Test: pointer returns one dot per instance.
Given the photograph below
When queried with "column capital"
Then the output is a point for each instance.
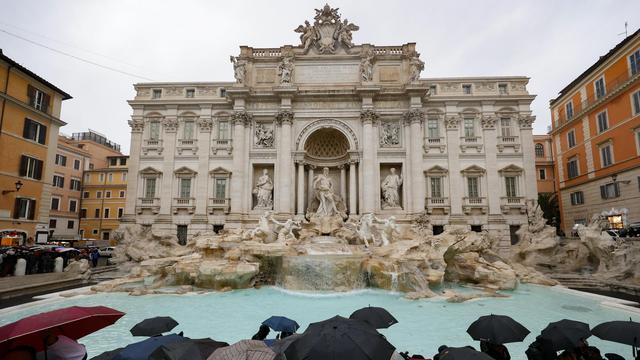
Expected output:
(526, 121)
(452, 122)
(241, 117)
(137, 125)
(369, 116)
(170, 124)
(205, 123)
(413, 116)
(488, 122)
(284, 116)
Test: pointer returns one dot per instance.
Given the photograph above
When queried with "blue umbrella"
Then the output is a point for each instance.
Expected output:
(281, 323)
(141, 350)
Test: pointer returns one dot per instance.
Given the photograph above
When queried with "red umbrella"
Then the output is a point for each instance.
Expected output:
(73, 322)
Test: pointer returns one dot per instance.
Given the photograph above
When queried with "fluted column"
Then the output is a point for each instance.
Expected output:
(343, 181)
(240, 120)
(137, 126)
(456, 182)
(415, 117)
(489, 137)
(167, 192)
(368, 164)
(526, 141)
(202, 183)
(353, 196)
(300, 210)
(285, 119)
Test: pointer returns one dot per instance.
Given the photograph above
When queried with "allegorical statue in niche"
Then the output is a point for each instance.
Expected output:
(415, 67)
(264, 191)
(285, 70)
(264, 136)
(324, 193)
(366, 67)
(239, 68)
(391, 190)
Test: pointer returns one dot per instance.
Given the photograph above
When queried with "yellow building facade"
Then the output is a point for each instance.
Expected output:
(29, 124)
(103, 199)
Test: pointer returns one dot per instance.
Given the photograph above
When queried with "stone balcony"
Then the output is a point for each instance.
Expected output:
(508, 141)
(437, 143)
(471, 203)
(221, 147)
(470, 142)
(508, 203)
(152, 204)
(187, 146)
(437, 203)
(218, 205)
(152, 146)
(188, 204)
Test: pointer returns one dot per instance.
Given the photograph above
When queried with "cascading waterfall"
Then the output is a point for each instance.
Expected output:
(322, 272)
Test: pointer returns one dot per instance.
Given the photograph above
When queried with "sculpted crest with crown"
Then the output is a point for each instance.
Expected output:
(327, 32)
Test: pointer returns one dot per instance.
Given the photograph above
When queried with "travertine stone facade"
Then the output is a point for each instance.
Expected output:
(463, 146)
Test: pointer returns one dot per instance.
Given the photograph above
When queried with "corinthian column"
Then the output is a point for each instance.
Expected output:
(285, 119)
(368, 165)
(300, 210)
(415, 117)
(137, 126)
(240, 120)
(353, 197)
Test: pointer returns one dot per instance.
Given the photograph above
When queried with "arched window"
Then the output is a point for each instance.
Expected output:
(539, 150)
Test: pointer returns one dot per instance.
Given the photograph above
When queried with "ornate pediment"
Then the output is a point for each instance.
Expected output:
(436, 170)
(185, 171)
(219, 171)
(327, 33)
(473, 170)
(511, 169)
(150, 171)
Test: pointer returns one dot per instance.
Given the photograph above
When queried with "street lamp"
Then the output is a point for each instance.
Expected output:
(18, 185)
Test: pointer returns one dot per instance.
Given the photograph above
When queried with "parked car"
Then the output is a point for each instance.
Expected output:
(633, 229)
(106, 252)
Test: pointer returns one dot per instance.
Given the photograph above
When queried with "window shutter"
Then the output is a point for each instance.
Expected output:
(62, 183)
(616, 188)
(42, 139)
(27, 128)
(45, 102)
(32, 209)
(31, 92)
(603, 191)
(38, 171)
(16, 208)
(23, 165)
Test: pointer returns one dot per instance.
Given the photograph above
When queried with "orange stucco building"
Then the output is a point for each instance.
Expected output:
(596, 140)
(545, 173)
(29, 124)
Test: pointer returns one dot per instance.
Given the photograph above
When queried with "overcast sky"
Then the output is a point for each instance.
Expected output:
(188, 40)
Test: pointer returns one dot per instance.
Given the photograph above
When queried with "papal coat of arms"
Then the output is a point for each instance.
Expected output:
(327, 31)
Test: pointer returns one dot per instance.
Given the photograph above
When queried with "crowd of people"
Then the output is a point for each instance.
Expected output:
(41, 259)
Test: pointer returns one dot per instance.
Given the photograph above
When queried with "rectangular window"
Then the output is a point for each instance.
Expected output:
(569, 109)
(96, 213)
(542, 174)
(606, 155)
(70, 224)
(510, 183)
(83, 213)
(466, 89)
(505, 127)
(75, 184)
(85, 195)
(110, 177)
(99, 194)
(469, 128)
(124, 177)
(436, 187)
(433, 90)
(472, 187)
(577, 198)
(502, 89)
(123, 161)
(571, 138)
(600, 90)
(37, 98)
(53, 223)
(636, 102)
(121, 194)
(106, 213)
(120, 212)
(154, 130)
(572, 168)
(634, 62)
(150, 188)
(223, 130)
(113, 161)
(105, 235)
(87, 177)
(61, 160)
(187, 133)
(76, 164)
(101, 177)
(34, 131)
(603, 121)
(190, 93)
(156, 94)
(107, 194)
(58, 181)
(223, 92)
(221, 188)
(55, 204)
(24, 208)
(433, 128)
(185, 188)
(94, 231)
(30, 167)
(610, 191)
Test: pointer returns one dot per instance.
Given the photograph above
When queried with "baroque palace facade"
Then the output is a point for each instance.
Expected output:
(210, 155)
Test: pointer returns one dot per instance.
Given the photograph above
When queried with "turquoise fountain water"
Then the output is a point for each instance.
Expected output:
(423, 324)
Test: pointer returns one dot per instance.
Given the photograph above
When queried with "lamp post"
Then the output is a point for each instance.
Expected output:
(18, 185)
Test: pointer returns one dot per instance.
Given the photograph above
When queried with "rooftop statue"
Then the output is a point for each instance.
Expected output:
(327, 32)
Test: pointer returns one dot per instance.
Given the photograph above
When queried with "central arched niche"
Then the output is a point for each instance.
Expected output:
(327, 143)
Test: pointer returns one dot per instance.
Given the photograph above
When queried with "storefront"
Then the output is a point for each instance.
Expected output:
(13, 237)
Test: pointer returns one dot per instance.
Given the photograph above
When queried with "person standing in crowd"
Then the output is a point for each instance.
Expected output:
(60, 347)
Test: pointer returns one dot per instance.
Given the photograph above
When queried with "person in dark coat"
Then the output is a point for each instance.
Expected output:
(262, 333)
(540, 349)
(94, 257)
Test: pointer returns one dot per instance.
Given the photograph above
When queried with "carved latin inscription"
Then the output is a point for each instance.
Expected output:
(332, 73)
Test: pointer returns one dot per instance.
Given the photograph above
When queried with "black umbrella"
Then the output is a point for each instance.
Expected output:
(566, 334)
(377, 317)
(497, 329)
(340, 338)
(107, 355)
(192, 349)
(154, 326)
(463, 353)
(623, 332)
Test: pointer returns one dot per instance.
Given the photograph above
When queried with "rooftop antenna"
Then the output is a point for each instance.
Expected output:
(625, 30)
